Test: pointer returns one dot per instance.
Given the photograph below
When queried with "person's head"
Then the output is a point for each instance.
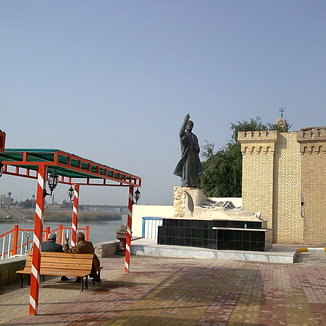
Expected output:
(52, 237)
(80, 236)
(189, 125)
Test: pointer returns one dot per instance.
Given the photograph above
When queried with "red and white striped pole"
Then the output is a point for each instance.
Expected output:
(75, 216)
(37, 241)
(129, 223)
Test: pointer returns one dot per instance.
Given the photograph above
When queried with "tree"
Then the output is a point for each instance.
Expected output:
(222, 176)
(208, 150)
(28, 203)
(66, 204)
(251, 125)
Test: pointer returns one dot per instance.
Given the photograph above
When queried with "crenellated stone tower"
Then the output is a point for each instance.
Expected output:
(313, 179)
(258, 149)
(284, 177)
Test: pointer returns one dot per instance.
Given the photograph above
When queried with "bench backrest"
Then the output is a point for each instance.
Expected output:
(62, 261)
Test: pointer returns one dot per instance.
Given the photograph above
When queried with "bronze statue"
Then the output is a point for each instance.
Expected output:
(189, 167)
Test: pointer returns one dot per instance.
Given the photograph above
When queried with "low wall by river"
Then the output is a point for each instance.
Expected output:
(8, 267)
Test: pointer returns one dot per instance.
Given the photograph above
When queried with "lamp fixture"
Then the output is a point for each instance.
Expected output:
(52, 183)
(137, 195)
(71, 193)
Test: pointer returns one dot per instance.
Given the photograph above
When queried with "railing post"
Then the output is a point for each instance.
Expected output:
(37, 241)
(47, 232)
(15, 242)
(9, 242)
(74, 222)
(87, 232)
(3, 247)
(21, 242)
(129, 222)
(60, 234)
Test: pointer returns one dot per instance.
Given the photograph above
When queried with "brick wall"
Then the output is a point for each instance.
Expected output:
(279, 171)
(287, 220)
(257, 173)
(313, 148)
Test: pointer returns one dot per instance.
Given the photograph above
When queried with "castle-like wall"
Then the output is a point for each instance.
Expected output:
(313, 164)
(288, 223)
(284, 177)
(258, 149)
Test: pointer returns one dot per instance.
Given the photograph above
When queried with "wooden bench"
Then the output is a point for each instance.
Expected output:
(61, 264)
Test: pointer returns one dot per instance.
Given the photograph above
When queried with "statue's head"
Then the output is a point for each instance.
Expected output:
(189, 125)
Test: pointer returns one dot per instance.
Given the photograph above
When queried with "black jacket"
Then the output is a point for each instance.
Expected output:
(51, 246)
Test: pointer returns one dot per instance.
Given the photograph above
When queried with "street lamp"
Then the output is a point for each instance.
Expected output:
(1, 169)
(71, 193)
(52, 183)
(137, 195)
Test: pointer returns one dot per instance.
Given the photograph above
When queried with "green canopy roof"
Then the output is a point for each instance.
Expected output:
(64, 164)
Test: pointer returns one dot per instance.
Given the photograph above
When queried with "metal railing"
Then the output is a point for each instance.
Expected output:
(19, 241)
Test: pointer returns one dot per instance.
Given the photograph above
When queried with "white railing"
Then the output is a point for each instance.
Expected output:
(19, 241)
(7, 240)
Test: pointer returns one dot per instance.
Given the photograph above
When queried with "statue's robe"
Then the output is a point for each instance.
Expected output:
(189, 167)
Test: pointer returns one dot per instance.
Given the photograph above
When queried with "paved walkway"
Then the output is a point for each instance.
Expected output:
(168, 291)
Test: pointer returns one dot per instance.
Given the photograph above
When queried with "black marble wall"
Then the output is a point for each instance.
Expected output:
(230, 235)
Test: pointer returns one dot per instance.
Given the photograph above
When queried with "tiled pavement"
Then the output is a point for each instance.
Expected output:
(168, 291)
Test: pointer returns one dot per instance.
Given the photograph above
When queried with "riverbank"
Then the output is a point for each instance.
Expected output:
(15, 215)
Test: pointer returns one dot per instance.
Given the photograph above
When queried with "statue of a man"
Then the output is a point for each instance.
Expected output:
(189, 167)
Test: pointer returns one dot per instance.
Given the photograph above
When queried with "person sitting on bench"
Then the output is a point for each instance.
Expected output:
(84, 247)
(52, 246)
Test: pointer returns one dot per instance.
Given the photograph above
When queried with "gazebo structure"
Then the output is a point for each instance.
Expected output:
(56, 166)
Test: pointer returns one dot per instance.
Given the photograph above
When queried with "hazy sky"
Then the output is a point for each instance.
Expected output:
(111, 81)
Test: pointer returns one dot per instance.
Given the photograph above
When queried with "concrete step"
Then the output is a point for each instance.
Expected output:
(148, 247)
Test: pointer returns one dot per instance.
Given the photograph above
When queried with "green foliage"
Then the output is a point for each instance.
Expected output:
(208, 150)
(66, 204)
(281, 128)
(122, 229)
(28, 203)
(251, 125)
(222, 176)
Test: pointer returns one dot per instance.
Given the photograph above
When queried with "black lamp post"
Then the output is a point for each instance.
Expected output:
(71, 193)
(52, 183)
(137, 195)
(1, 169)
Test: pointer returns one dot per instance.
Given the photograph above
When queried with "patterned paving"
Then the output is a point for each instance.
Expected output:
(161, 291)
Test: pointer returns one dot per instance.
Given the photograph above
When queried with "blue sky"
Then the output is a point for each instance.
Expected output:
(112, 80)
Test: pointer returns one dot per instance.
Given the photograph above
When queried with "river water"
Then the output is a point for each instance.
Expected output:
(98, 232)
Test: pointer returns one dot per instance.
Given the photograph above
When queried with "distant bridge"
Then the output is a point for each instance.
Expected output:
(104, 208)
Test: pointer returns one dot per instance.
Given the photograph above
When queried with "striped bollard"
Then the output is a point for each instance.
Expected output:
(37, 241)
(75, 216)
(129, 223)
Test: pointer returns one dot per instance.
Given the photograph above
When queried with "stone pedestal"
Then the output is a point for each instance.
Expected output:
(185, 200)
(192, 203)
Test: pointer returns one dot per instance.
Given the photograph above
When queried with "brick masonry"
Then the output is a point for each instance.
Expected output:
(258, 172)
(281, 170)
(288, 223)
(313, 149)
